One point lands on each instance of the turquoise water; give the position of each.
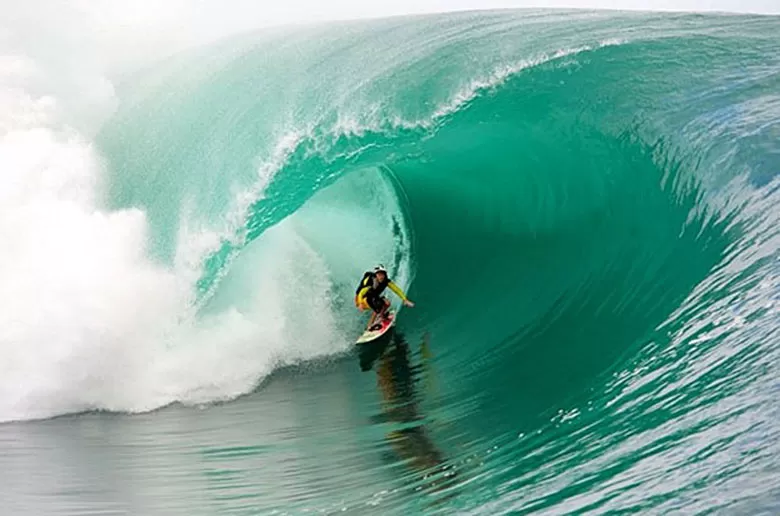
(582, 205)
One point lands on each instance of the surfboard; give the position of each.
(371, 335)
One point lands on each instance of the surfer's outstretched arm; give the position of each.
(400, 293)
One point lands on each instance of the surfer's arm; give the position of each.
(395, 288)
(400, 293)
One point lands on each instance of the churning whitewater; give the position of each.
(583, 206)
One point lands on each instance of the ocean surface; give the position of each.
(584, 206)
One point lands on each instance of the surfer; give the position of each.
(369, 293)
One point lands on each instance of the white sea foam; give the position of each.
(88, 320)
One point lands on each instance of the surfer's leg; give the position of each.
(371, 320)
(377, 305)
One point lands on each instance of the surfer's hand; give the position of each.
(409, 303)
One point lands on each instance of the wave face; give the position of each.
(583, 207)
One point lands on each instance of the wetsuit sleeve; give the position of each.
(395, 288)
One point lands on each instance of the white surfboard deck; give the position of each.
(369, 336)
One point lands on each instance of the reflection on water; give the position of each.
(397, 379)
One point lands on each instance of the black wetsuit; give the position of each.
(370, 290)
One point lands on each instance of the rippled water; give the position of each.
(582, 205)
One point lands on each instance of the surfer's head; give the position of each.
(381, 272)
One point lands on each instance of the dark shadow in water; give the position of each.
(397, 380)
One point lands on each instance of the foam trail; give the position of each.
(82, 309)
(87, 320)
(80, 303)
